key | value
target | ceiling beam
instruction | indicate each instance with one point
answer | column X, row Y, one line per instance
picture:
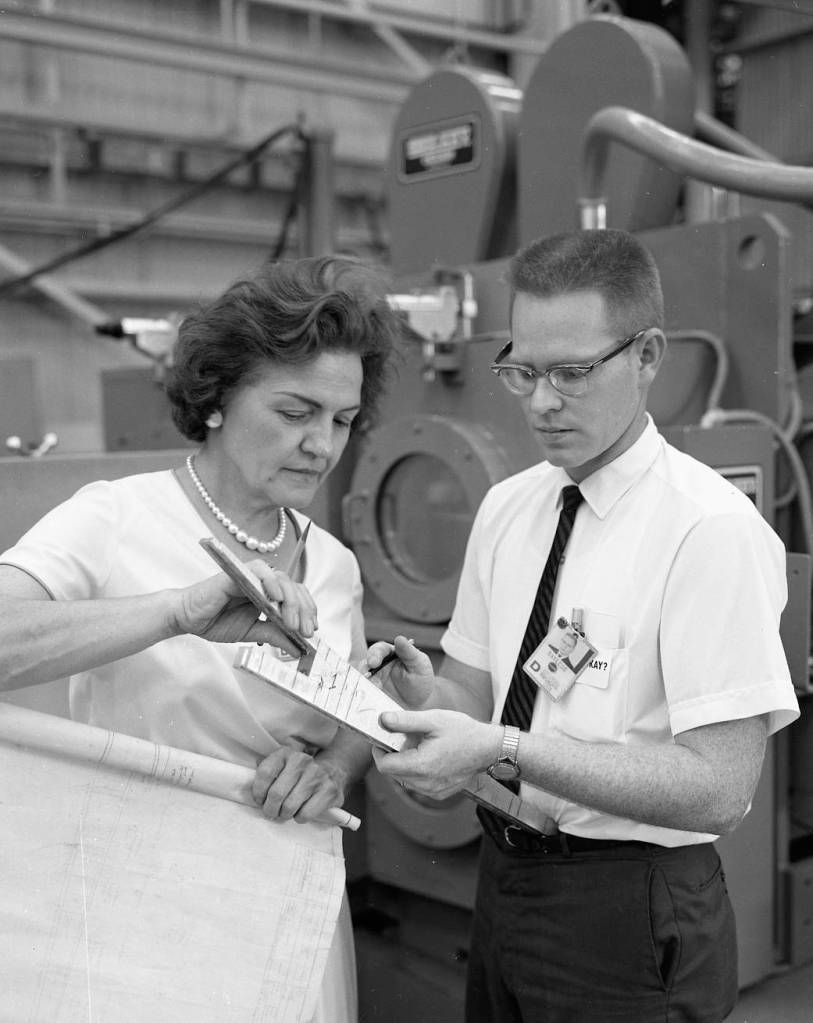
column 195, row 52
column 434, row 28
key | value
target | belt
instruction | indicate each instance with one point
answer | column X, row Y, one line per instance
column 515, row 840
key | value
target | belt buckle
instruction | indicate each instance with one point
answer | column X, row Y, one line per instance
column 506, row 834
column 526, row 842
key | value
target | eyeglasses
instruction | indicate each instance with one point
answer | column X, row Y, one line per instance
column 569, row 380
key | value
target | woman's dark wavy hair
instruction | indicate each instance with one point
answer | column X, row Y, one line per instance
column 288, row 312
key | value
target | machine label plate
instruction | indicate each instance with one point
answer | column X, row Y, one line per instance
column 748, row 479
column 439, row 150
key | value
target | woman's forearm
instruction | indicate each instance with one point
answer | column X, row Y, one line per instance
column 349, row 754
column 42, row 640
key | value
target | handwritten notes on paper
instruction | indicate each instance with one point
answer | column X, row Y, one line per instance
column 135, row 885
column 328, row 683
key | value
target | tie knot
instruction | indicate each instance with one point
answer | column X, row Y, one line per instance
column 572, row 497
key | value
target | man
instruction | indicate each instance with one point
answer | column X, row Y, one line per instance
column 655, row 749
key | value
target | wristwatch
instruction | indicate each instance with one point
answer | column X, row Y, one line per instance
column 505, row 767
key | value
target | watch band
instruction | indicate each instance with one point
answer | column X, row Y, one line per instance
column 510, row 746
column 505, row 767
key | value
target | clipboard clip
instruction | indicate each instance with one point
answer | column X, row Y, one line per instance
column 250, row 586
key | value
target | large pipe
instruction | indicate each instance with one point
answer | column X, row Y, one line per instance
column 776, row 181
column 709, row 129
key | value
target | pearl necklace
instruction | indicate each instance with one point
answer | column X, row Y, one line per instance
column 240, row 535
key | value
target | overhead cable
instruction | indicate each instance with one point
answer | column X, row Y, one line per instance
column 248, row 156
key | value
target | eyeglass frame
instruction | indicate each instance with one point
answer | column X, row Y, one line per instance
column 497, row 366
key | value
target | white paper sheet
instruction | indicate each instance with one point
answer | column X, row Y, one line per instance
column 329, row 684
column 128, row 896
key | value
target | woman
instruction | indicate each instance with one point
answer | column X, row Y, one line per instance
column 113, row 589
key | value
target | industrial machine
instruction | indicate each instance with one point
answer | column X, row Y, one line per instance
column 604, row 134
column 476, row 168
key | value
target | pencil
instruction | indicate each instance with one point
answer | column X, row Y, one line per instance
column 390, row 657
column 300, row 547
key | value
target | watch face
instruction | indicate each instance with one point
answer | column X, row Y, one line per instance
column 503, row 770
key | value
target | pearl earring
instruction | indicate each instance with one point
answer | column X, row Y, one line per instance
column 215, row 419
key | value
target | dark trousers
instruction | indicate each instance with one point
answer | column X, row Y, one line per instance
column 632, row 934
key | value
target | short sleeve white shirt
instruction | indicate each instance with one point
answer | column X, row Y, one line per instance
column 681, row 583
column 138, row 535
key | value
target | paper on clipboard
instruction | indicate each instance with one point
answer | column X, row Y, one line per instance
column 329, row 684
column 317, row 676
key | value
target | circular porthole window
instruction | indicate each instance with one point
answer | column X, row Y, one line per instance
column 413, row 497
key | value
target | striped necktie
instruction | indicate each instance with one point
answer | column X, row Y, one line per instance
column 519, row 703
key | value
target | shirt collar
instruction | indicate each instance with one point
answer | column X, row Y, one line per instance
column 607, row 485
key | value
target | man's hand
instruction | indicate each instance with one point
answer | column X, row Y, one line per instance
column 446, row 750
column 290, row 784
column 216, row 609
column 410, row 679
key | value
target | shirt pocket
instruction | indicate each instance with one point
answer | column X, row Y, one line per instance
column 595, row 708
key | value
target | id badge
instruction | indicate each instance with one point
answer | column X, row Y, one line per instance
column 559, row 659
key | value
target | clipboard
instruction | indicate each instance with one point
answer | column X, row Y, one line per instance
column 315, row 675
column 329, row 684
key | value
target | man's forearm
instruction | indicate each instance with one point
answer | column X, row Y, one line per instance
column 449, row 695
column 671, row 786
column 703, row 781
column 463, row 689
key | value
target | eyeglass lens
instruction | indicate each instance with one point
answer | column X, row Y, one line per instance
column 522, row 380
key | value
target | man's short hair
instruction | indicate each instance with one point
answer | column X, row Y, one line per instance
column 611, row 262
